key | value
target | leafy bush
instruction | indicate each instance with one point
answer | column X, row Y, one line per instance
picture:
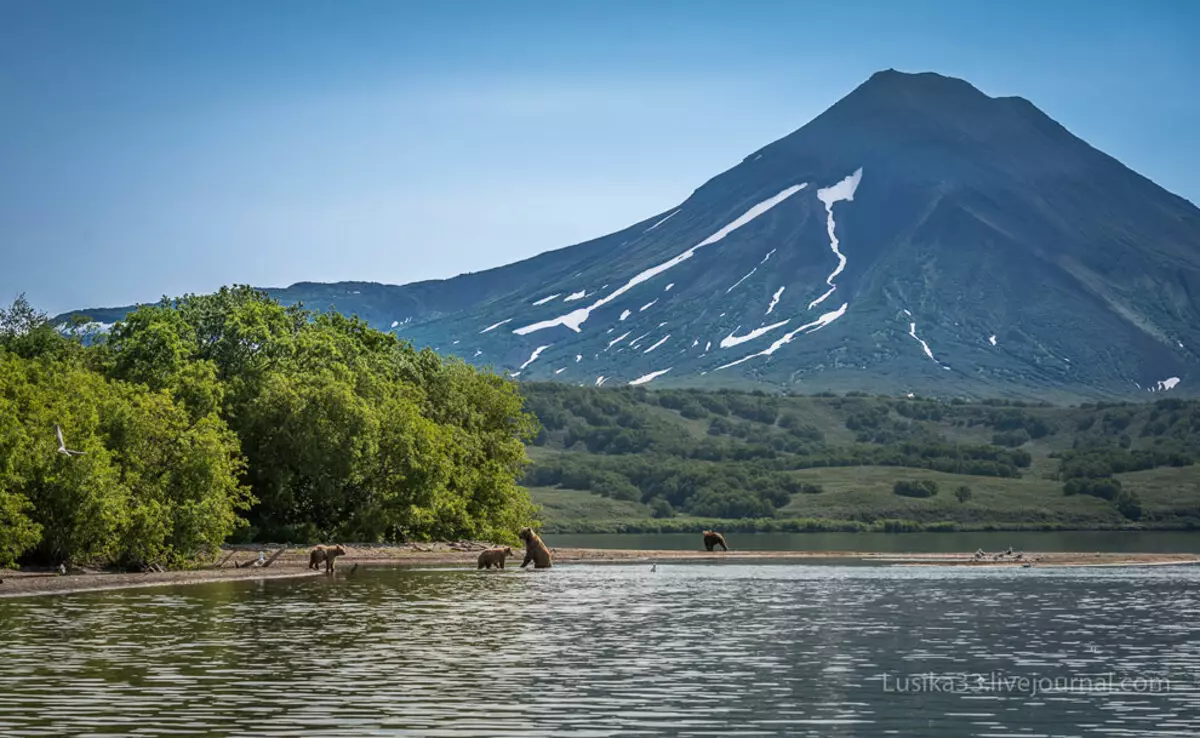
column 1012, row 439
column 721, row 502
column 1105, row 488
column 962, row 493
column 911, row 488
column 1129, row 505
column 660, row 508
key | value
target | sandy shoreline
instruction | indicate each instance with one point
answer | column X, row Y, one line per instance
column 294, row 563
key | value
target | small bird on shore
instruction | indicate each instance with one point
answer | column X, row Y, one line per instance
column 62, row 568
column 654, row 567
column 62, row 445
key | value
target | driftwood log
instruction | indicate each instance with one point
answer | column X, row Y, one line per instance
column 254, row 561
column 274, row 556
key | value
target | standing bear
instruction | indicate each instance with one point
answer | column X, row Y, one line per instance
column 713, row 538
column 535, row 550
column 325, row 554
column 494, row 557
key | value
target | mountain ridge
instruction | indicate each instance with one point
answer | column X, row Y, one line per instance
column 981, row 249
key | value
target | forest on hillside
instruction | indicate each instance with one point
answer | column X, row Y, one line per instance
column 208, row 417
column 728, row 454
column 229, row 417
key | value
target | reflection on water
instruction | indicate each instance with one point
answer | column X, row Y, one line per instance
column 605, row 650
column 1043, row 541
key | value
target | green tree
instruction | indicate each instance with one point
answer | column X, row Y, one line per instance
column 18, row 532
column 151, row 486
column 660, row 508
column 1129, row 505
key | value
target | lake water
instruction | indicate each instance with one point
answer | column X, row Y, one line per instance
column 1042, row 541
column 693, row 649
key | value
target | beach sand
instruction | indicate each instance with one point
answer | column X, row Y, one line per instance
column 294, row 563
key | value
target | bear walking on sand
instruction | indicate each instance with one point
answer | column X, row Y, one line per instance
column 325, row 554
column 713, row 538
column 535, row 550
column 494, row 557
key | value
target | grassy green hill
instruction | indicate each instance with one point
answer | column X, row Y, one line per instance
column 632, row 459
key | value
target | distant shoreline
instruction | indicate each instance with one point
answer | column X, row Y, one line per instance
column 294, row 564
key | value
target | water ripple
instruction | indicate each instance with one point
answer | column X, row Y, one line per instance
column 692, row 650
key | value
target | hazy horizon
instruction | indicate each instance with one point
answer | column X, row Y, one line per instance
column 153, row 148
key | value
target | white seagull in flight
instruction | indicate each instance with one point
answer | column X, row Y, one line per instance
column 62, row 446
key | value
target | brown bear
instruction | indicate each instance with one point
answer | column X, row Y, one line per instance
column 494, row 557
column 535, row 550
column 325, row 554
column 712, row 539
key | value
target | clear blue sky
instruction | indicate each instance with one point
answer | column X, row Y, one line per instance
column 159, row 147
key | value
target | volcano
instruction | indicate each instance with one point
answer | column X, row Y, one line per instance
column 918, row 236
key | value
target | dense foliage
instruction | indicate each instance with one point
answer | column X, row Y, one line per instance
column 203, row 415
column 736, row 454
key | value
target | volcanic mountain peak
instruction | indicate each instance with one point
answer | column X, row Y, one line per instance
column 917, row 236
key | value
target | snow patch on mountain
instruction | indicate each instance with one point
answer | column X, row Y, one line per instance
column 812, row 327
column 731, row 340
column 660, row 342
column 634, row 342
column 743, row 279
column 668, row 287
column 625, row 314
column 576, row 318
column 533, row 357
column 775, row 300
column 578, row 358
column 649, row 304
column 546, row 299
column 600, row 380
column 992, row 340
column 1167, row 384
column 664, row 220
column 494, row 326
column 575, row 296
column 560, row 371
column 843, row 190
column 617, row 340
column 768, row 256
column 912, row 331
column 821, row 299
column 650, row 377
